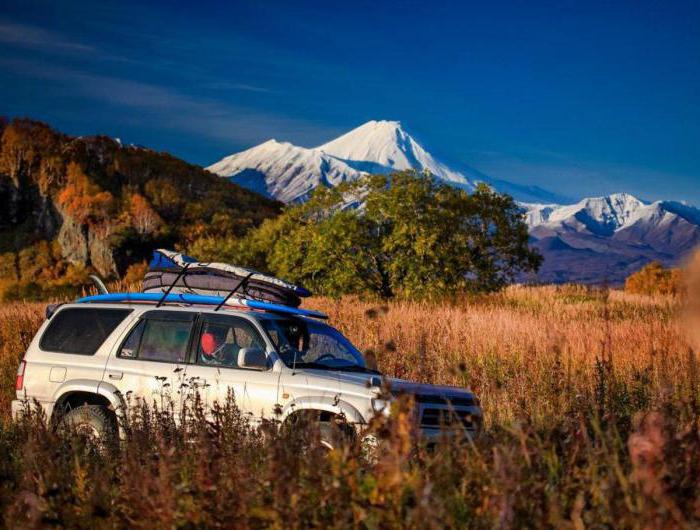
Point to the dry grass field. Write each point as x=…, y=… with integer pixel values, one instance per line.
x=591, y=420
x=527, y=351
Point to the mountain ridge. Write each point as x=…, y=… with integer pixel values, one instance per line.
x=613, y=235
x=289, y=173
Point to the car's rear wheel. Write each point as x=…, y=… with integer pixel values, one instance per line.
x=94, y=423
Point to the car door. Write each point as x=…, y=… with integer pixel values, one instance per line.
x=220, y=339
x=150, y=364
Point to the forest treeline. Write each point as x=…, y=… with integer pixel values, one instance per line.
x=72, y=206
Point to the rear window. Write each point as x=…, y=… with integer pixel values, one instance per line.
x=81, y=330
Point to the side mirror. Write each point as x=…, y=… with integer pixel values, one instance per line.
x=253, y=358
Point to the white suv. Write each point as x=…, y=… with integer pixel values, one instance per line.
x=89, y=361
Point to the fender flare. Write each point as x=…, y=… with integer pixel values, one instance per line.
x=105, y=390
x=113, y=394
x=324, y=403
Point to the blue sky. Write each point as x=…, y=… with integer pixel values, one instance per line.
x=582, y=98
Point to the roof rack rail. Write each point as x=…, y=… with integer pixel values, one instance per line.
x=198, y=299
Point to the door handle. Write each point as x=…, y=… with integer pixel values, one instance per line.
x=116, y=375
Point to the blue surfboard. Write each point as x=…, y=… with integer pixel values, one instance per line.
x=202, y=300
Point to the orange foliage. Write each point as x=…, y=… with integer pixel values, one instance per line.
x=83, y=200
x=655, y=279
x=143, y=217
x=135, y=272
x=692, y=286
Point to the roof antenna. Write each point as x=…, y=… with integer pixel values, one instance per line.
x=177, y=279
x=229, y=295
x=99, y=284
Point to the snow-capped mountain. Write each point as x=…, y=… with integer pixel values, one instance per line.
x=595, y=240
x=607, y=238
x=381, y=146
x=600, y=215
x=289, y=173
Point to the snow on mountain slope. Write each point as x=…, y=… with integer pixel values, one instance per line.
x=607, y=215
x=283, y=171
x=289, y=172
x=599, y=215
x=538, y=214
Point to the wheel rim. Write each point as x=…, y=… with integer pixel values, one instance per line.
x=88, y=431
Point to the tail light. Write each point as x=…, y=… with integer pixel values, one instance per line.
x=19, y=385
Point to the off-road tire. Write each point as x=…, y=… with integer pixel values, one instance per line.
x=335, y=434
x=92, y=421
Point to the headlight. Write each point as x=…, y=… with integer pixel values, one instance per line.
x=381, y=406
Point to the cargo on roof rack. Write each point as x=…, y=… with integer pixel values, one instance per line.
x=173, y=272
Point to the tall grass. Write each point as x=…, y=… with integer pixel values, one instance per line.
x=591, y=404
x=18, y=324
x=527, y=351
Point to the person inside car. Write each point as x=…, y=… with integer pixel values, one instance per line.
x=214, y=348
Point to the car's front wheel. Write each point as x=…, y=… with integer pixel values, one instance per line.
x=335, y=433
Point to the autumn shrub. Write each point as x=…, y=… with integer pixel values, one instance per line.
x=135, y=272
x=655, y=279
x=18, y=324
x=83, y=199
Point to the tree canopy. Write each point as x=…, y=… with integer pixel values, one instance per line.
x=404, y=235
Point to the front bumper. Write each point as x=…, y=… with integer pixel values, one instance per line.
x=434, y=435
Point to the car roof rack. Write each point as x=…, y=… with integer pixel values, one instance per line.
x=198, y=299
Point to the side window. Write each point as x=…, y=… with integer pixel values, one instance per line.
x=165, y=340
x=81, y=330
x=130, y=347
x=223, y=337
x=154, y=339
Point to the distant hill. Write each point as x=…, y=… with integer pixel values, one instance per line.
x=71, y=205
x=76, y=205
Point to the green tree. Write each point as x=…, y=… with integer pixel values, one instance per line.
x=412, y=237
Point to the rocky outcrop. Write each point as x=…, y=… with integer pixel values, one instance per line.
x=48, y=220
x=73, y=239
x=101, y=251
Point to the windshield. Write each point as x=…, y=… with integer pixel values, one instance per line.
x=309, y=344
